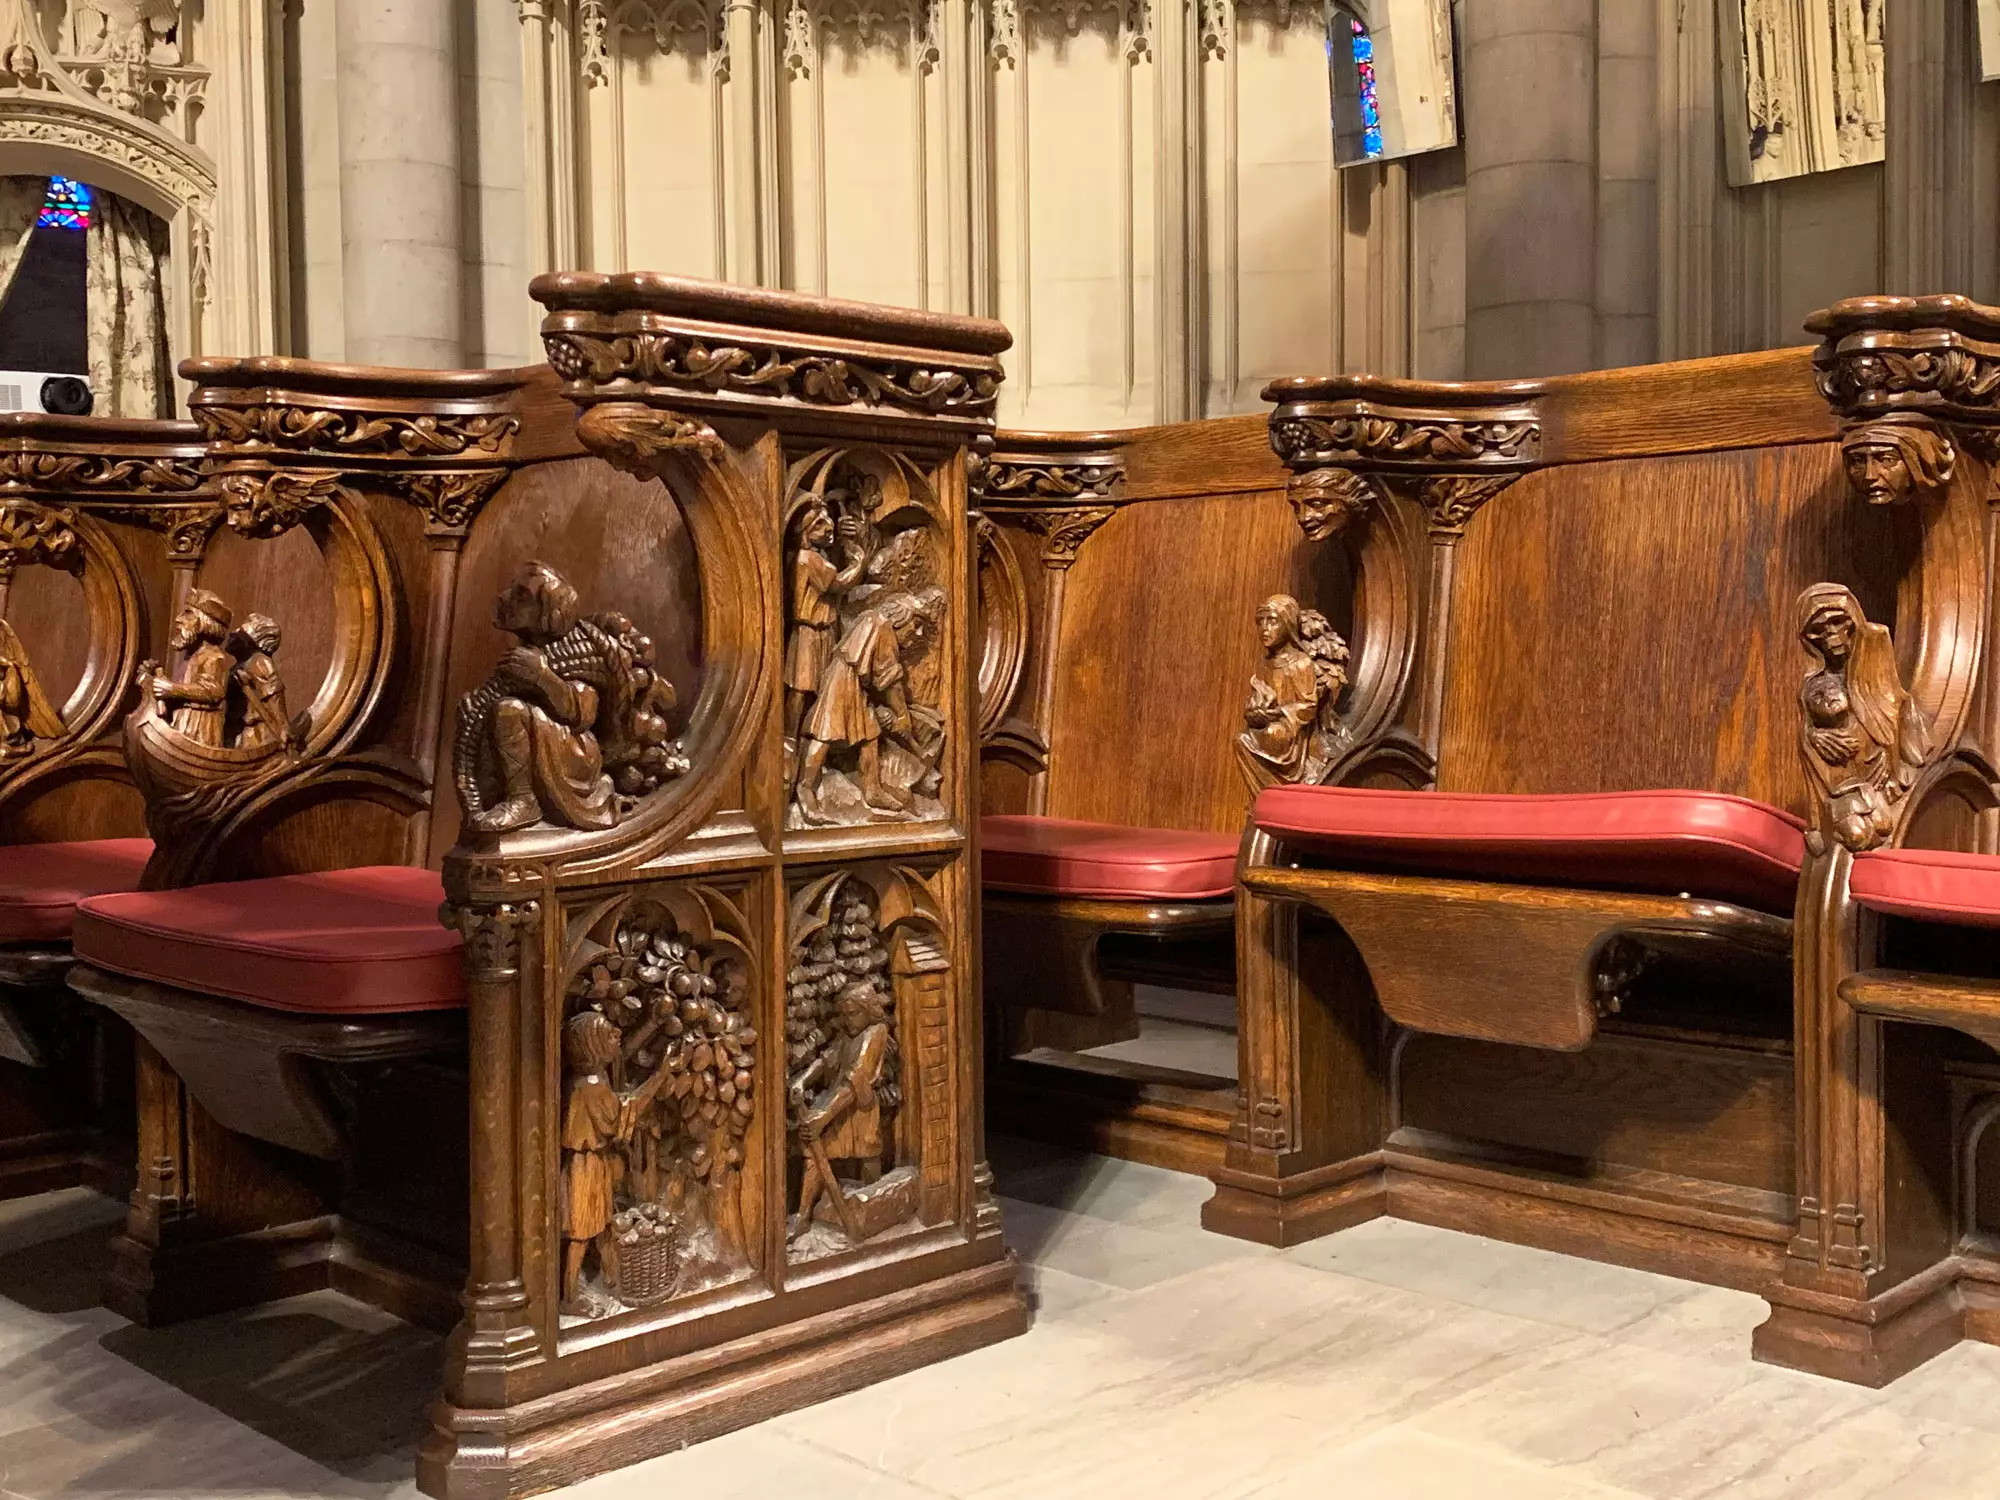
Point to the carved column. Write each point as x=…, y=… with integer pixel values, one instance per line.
x=402, y=260
x=1059, y=490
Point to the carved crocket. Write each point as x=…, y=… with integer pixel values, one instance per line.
x=571, y=728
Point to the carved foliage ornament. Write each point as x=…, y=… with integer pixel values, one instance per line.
x=450, y=498
x=659, y=1084
x=572, y=727
x=1300, y=439
x=43, y=469
x=691, y=363
x=1292, y=731
x=1450, y=500
x=1863, y=739
x=37, y=536
x=426, y=435
x=1005, y=478
x=634, y=437
x=1863, y=377
x=188, y=527
x=1064, y=532
x=492, y=934
x=1897, y=458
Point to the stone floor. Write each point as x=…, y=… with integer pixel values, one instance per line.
x=1392, y=1361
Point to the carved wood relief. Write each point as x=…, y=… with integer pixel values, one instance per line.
x=572, y=728
x=865, y=1039
x=865, y=725
x=659, y=1057
x=1292, y=730
x=1863, y=738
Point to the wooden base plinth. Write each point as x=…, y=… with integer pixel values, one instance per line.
x=558, y=1439
x=1179, y=1121
x=154, y=1285
x=1868, y=1342
x=1646, y=1220
x=72, y=1159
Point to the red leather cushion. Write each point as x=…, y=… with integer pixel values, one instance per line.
x=40, y=884
x=1667, y=842
x=1063, y=857
x=349, y=942
x=1931, y=884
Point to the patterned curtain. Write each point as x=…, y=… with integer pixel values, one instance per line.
x=125, y=308
x=20, y=204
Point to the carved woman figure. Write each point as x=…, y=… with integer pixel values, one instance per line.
x=26, y=714
x=1291, y=731
x=597, y=1122
x=843, y=1123
x=864, y=695
x=532, y=727
x=198, y=704
x=1893, y=459
x=265, y=723
x=1864, y=738
x=817, y=586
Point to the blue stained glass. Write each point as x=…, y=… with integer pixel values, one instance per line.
x=67, y=205
x=1363, y=50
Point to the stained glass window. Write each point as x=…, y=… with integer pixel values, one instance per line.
x=67, y=205
x=1364, y=68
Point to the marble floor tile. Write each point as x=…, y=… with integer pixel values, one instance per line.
x=1129, y=1256
x=1400, y=1464
x=1493, y=1274
x=1175, y=1044
x=1123, y=1192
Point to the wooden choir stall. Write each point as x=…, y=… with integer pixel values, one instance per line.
x=559, y=919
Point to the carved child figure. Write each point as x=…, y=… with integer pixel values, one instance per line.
x=864, y=697
x=817, y=586
x=1291, y=731
x=843, y=1123
x=265, y=723
x=197, y=705
x=1864, y=738
x=26, y=714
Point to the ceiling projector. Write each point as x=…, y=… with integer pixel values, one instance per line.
x=44, y=390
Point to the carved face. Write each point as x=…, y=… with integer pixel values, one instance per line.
x=537, y=606
x=855, y=1009
x=816, y=528
x=1326, y=500
x=1879, y=473
x=194, y=625
x=1831, y=633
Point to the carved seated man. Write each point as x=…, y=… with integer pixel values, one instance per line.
x=26, y=715
x=197, y=705
x=1291, y=731
x=571, y=728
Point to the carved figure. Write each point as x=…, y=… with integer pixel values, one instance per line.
x=1327, y=501
x=1897, y=458
x=845, y=1082
x=864, y=701
x=650, y=1172
x=198, y=701
x=1863, y=739
x=256, y=678
x=26, y=715
x=818, y=584
x=1292, y=732
x=571, y=728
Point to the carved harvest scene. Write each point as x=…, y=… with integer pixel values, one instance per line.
x=866, y=997
x=573, y=726
x=864, y=655
x=659, y=1067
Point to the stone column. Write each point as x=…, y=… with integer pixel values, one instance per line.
x=400, y=207
x=1530, y=81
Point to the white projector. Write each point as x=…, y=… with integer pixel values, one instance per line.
x=44, y=390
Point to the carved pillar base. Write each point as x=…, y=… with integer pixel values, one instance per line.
x=535, y=1445
x=1867, y=1342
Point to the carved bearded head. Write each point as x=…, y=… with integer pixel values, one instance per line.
x=538, y=606
x=203, y=619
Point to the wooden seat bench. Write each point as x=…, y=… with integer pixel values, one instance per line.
x=101, y=523
x=1120, y=579
x=583, y=1017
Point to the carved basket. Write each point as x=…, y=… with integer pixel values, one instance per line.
x=649, y=1266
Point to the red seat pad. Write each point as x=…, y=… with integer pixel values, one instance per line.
x=1930, y=884
x=1666, y=842
x=348, y=942
x=40, y=884
x=1107, y=861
